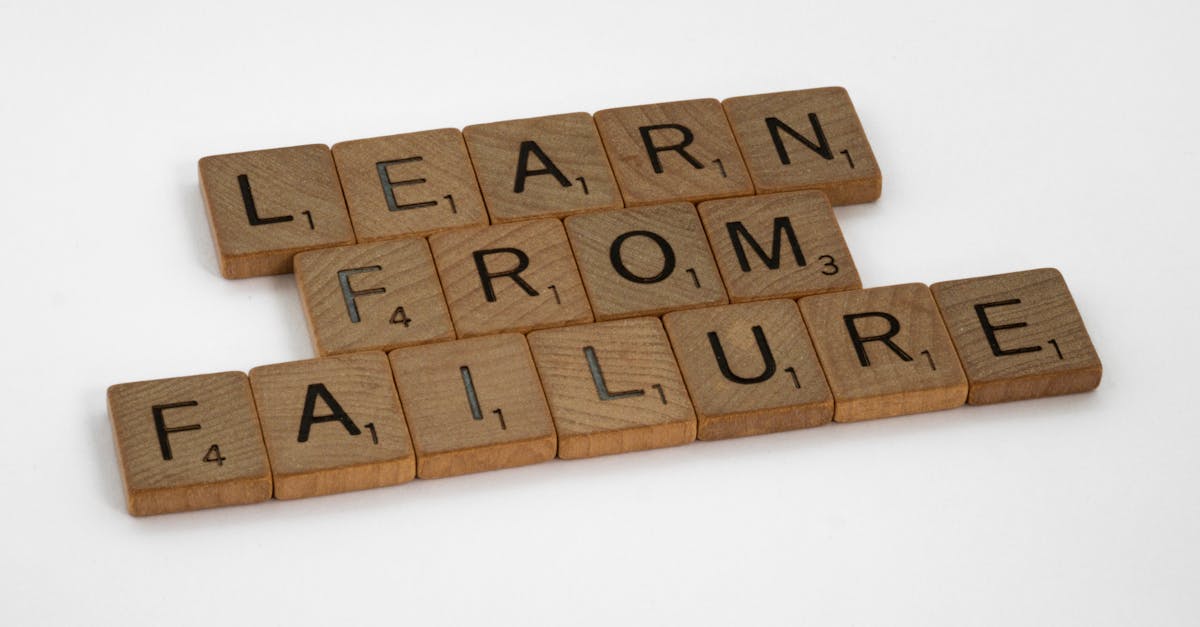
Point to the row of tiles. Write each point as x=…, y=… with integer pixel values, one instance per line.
x=266, y=206
x=371, y=419
x=544, y=273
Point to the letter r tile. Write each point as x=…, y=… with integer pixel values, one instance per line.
x=613, y=387
x=510, y=277
x=885, y=352
x=1019, y=336
x=188, y=443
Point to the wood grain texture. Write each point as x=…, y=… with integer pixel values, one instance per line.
x=332, y=425
x=427, y=184
x=910, y=368
x=750, y=369
x=508, y=424
x=546, y=292
x=842, y=165
x=705, y=165
x=645, y=261
x=550, y=166
x=783, y=245
x=1019, y=335
x=613, y=387
x=165, y=431
x=391, y=296
x=265, y=206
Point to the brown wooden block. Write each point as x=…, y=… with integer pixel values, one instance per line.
x=645, y=261
x=265, y=206
x=750, y=368
x=473, y=405
x=673, y=151
x=807, y=139
x=885, y=352
x=613, y=387
x=332, y=425
x=778, y=246
x=188, y=443
x=551, y=166
x=510, y=277
x=409, y=184
x=1018, y=335
x=382, y=295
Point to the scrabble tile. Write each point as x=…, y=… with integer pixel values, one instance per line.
x=613, y=387
x=188, y=443
x=807, y=139
x=1018, y=335
x=885, y=352
x=265, y=206
x=409, y=184
x=551, y=166
x=332, y=425
x=784, y=245
x=673, y=151
x=473, y=405
x=375, y=296
x=750, y=368
x=645, y=261
x=510, y=277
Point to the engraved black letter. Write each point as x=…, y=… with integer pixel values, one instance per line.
x=310, y=405
x=486, y=276
x=251, y=209
x=160, y=425
x=989, y=329
x=348, y=293
x=389, y=186
x=821, y=147
x=886, y=338
x=589, y=353
x=652, y=149
x=523, y=171
x=763, y=348
x=782, y=226
x=618, y=264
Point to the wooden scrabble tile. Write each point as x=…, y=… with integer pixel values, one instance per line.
x=409, y=184
x=645, y=261
x=473, y=405
x=613, y=387
x=332, y=425
x=750, y=368
x=551, y=166
x=382, y=295
x=1019, y=336
x=265, y=206
x=778, y=246
x=510, y=277
x=885, y=352
x=673, y=151
x=188, y=443
x=807, y=139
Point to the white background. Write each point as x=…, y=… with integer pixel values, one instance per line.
x=1011, y=137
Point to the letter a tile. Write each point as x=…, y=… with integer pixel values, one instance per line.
x=807, y=139
x=778, y=246
x=409, y=184
x=265, y=206
x=885, y=352
x=750, y=369
x=473, y=405
x=673, y=151
x=1019, y=336
x=332, y=425
x=188, y=443
x=382, y=295
x=510, y=277
x=613, y=387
